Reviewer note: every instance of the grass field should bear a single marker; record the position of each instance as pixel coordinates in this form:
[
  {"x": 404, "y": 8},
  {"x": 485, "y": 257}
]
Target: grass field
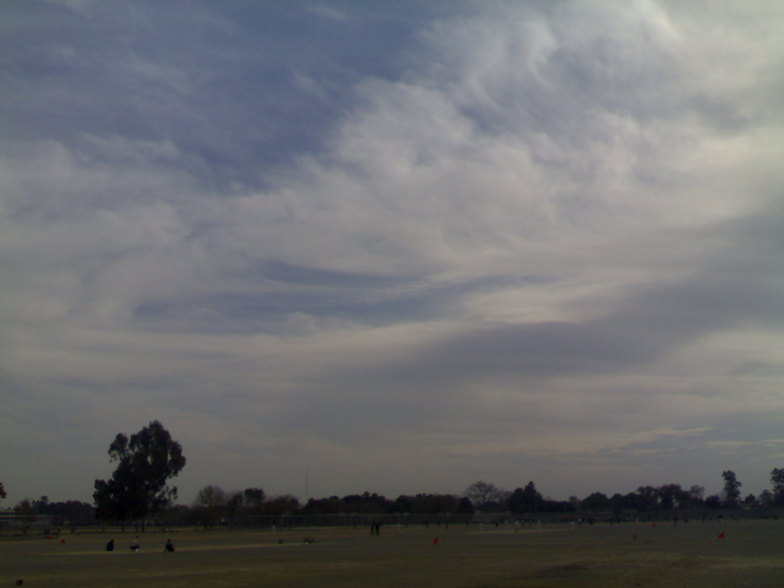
[{"x": 634, "y": 554}]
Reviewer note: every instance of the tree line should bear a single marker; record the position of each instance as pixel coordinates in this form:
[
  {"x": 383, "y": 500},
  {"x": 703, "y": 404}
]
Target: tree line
[{"x": 138, "y": 491}]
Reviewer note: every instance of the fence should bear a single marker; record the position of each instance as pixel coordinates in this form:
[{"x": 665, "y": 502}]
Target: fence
[{"x": 14, "y": 523}]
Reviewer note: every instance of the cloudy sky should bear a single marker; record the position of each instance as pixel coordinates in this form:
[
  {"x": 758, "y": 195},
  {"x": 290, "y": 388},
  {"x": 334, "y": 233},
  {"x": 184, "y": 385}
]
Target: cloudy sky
[{"x": 393, "y": 246}]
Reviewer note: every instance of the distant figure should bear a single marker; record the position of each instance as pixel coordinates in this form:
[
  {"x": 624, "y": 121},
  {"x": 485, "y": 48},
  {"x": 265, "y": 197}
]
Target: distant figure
[
  {"x": 110, "y": 545},
  {"x": 169, "y": 546},
  {"x": 375, "y": 528},
  {"x": 135, "y": 545}
]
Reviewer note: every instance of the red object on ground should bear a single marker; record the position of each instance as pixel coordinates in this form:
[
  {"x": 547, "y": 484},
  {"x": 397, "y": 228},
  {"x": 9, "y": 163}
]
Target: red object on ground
[
  {"x": 435, "y": 540},
  {"x": 721, "y": 535}
]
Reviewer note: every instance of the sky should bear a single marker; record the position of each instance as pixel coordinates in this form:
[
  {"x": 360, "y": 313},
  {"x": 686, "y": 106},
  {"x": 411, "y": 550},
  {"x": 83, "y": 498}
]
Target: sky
[{"x": 397, "y": 247}]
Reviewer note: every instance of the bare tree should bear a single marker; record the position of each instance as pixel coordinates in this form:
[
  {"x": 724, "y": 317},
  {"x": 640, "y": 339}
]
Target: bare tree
[
  {"x": 210, "y": 505},
  {"x": 482, "y": 493}
]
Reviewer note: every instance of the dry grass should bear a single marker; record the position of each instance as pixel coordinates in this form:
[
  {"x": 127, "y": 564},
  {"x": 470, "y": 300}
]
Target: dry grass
[{"x": 752, "y": 554}]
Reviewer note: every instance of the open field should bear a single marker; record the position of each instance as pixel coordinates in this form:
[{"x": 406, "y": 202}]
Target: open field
[{"x": 633, "y": 554}]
